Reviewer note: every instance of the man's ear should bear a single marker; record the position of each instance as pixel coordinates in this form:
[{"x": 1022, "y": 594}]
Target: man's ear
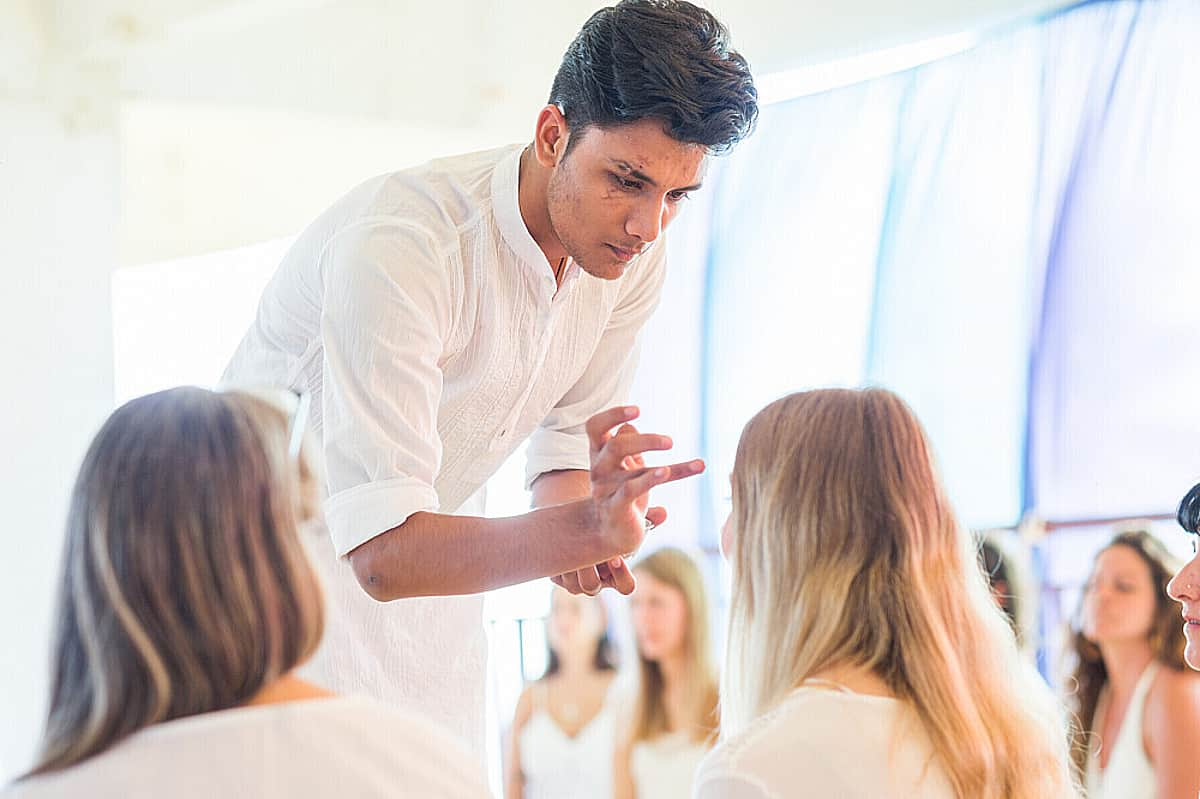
[{"x": 551, "y": 136}]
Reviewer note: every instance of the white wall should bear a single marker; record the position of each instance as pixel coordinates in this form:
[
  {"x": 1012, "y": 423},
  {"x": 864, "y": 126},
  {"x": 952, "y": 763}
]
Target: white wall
[
  {"x": 58, "y": 190},
  {"x": 315, "y": 96}
]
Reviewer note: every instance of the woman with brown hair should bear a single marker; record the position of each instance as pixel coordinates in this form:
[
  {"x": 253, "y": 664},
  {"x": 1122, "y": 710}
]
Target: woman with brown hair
[
  {"x": 1133, "y": 696},
  {"x": 675, "y": 716},
  {"x": 561, "y": 739},
  {"x": 186, "y": 603},
  {"x": 865, "y": 655}
]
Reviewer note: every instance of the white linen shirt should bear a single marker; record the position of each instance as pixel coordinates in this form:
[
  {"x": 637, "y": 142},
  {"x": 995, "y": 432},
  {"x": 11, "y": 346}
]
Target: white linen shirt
[{"x": 424, "y": 321}]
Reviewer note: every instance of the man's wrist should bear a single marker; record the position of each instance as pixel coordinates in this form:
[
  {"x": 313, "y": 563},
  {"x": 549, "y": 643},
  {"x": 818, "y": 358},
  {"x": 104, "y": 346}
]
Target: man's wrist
[{"x": 589, "y": 537}]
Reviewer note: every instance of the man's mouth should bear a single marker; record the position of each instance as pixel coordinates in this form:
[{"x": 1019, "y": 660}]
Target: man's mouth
[{"x": 624, "y": 255}]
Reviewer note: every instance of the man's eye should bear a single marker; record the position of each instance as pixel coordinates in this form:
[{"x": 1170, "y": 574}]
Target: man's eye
[
  {"x": 628, "y": 185},
  {"x": 678, "y": 196}
]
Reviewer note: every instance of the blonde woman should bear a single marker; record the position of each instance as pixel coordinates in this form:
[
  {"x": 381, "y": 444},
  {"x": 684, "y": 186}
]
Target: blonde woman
[
  {"x": 1132, "y": 691},
  {"x": 675, "y": 716},
  {"x": 186, "y": 603},
  {"x": 865, "y": 656}
]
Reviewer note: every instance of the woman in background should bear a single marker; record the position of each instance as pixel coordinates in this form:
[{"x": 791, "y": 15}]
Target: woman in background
[
  {"x": 561, "y": 740},
  {"x": 1132, "y": 694},
  {"x": 186, "y": 603},
  {"x": 675, "y": 715},
  {"x": 866, "y": 657}
]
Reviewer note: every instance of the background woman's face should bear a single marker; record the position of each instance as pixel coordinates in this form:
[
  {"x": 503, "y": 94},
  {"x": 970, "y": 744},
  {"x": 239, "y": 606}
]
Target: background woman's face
[
  {"x": 1120, "y": 599},
  {"x": 660, "y": 618},
  {"x": 576, "y": 623}
]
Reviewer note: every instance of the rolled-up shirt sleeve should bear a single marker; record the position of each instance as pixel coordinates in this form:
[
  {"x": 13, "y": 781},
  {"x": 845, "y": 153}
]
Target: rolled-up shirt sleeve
[
  {"x": 560, "y": 442},
  {"x": 386, "y": 313}
]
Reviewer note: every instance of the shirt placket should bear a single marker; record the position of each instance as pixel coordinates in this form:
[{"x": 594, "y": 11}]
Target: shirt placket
[{"x": 552, "y": 300}]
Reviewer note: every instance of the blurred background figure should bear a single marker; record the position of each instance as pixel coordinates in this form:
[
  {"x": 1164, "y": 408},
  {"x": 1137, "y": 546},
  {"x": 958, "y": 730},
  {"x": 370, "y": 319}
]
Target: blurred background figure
[
  {"x": 996, "y": 568},
  {"x": 562, "y": 735},
  {"x": 186, "y": 603},
  {"x": 675, "y": 719},
  {"x": 1005, "y": 565},
  {"x": 1137, "y": 704}
]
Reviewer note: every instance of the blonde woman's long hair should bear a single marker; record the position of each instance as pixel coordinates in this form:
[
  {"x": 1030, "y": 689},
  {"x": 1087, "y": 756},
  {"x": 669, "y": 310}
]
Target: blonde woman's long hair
[
  {"x": 677, "y": 569},
  {"x": 185, "y": 586},
  {"x": 845, "y": 552}
]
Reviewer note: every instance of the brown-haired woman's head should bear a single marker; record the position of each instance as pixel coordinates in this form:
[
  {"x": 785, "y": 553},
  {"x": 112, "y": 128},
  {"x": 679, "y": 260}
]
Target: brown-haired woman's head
[
  {"x": 185, "y": 586},
  {"x": 845, "y": 552},
  {"x": 670, "y": 612},
  {"x": 577, "y": 629},
  {"x": 1124, "y": 603}
]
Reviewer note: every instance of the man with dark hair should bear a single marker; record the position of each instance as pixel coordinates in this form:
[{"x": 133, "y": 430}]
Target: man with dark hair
[{"x": 442, "y": 315}]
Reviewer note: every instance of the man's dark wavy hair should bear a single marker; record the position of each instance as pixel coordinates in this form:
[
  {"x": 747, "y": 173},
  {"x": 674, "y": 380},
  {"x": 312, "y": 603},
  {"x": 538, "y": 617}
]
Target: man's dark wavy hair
[{"x": 658, "y": 59}]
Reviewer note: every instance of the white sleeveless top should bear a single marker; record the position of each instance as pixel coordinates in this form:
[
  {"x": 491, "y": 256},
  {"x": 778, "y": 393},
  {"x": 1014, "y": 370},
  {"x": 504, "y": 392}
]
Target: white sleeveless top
[
  {"x": 665, "y": 767},
  {"x": 559, "y": 766},
  {"x": 1129, "y": 772}
]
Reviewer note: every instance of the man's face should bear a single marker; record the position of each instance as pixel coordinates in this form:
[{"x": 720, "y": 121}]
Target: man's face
[{"x": 616, "y": 190}]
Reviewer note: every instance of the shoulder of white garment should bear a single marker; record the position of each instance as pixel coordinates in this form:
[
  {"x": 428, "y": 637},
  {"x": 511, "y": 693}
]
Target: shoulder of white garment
[
  {"x": 436, "y": 202},
  {"x": 398, "y": 746}
]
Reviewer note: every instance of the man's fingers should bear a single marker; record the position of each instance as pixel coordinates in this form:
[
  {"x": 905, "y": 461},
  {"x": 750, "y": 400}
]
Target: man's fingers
[
  {"x": 656, "y": 515},
  {"x": 686, "y": 469},
  {"x": 589, "y": 580},
  {"x": 641, "y": 483},
  {"x": 630, "y": 462},
  {"x": 646, "y": 479},
  {"x": 613, "y": 454},
  {"x": 570, "y": 581},
  {"x": 558, "y": 580},
  {"x": 598, "y": 426},
  {"x": 622, "y": 578}
]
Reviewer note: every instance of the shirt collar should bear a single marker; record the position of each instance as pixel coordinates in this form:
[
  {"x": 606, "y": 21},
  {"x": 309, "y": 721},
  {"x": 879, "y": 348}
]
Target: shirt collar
[{"x": 507, "y": 209}]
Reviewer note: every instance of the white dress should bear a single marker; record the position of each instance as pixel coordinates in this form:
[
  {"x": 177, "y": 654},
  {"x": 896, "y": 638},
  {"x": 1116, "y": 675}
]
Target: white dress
[
  {"x": 1129, "y": 772},
  {"x": 665, "y": 767},
  {"x": 825, "y": 743},
  {"x": 559, "y": 766},
  {"x": 340, "y": 746}
]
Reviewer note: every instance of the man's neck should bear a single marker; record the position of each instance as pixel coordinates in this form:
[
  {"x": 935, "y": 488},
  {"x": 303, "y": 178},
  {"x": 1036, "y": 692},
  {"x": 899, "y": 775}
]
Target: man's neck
[{"x": 532, "y": 185}]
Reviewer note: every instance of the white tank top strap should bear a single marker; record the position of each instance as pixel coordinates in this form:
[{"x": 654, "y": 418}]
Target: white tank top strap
[
  {"x": 1129, "y": 771},
  {"x": 1144, "y": 682}
]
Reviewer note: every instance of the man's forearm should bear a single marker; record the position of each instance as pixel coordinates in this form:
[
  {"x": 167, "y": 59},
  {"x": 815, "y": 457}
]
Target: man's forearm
[
  {"x": 557, "y": 487},
  {"x": 433, "y": 554}
]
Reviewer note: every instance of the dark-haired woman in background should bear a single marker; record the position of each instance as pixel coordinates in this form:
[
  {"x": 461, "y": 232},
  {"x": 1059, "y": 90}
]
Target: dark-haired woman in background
[
  {"x": 1138, "y": 705},
  {"x": 185, "y": 605},
  {"x": 561, "y": 741}
]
